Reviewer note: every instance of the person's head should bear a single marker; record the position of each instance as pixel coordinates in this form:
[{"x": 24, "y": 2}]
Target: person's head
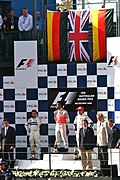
[
  {"x": 24, "y": 11},
  {"x": 6, "y": 122},
  {"x": 34, "y": 113},
  {"x": 80, "y": 110},
  {"x": 100, "y": 117},
  {"x": 2, "y": 165},
  {"x": 110, "y": 123},
  {"x": 58, "y": 105},
  {"x": 4, "y": 18},
  {"x": 37, "y": 14},
  {"x": 85, "y": 123},
  {"x": 11, "y": 12}
]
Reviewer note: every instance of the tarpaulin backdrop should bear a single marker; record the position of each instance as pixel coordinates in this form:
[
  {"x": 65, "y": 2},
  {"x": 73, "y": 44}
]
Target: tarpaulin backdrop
[{"x": 80, "y": 49}]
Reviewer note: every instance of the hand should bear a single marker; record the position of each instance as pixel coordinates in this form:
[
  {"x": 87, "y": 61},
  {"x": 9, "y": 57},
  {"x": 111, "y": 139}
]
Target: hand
[
  {"x": 0, "y": 147},
  {"x": 11, "y": 147}
]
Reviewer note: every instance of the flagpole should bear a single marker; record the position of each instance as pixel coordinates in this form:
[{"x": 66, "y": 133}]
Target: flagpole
[{"x": 83, "y": 4}]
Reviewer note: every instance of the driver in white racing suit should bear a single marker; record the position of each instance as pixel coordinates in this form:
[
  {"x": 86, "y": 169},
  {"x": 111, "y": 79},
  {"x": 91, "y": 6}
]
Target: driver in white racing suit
[
  {"x": 33, "y": 127},
  {"x": 62, "y": 120}
]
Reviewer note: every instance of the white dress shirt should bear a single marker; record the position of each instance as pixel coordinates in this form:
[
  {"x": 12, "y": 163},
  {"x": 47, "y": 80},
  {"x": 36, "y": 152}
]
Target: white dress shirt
[
  {"x": 1, "y": 22},
  {"x": 25, "y": 23}
]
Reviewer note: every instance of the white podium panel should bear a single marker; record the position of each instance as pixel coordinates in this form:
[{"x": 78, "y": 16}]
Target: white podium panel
[{"x": 114, "y": 158}]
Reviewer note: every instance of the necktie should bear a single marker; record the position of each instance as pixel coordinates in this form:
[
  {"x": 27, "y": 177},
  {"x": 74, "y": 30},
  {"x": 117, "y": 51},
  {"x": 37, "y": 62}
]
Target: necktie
[
  {"x": 5, "y": 131},
  {"x": 84, "y": 131}
]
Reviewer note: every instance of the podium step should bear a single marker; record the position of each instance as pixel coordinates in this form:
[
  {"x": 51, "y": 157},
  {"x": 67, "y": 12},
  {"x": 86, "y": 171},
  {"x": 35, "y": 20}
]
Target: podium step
[{"x": 58, "y": 157}]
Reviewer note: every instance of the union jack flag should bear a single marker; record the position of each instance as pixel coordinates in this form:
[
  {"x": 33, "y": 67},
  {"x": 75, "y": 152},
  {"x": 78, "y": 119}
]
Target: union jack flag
[{"x": 78, "y": 35}]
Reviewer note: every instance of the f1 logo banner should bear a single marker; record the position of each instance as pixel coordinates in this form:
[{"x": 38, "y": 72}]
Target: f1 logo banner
[
  {"x": 25, "y": 64},
  {"x": 71, "y": 98}
]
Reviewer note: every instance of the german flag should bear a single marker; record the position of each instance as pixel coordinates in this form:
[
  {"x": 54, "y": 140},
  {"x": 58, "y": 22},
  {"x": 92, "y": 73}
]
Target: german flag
[
  {"x": 57, "y": 36},
  {"x": 102, "y": 21}
]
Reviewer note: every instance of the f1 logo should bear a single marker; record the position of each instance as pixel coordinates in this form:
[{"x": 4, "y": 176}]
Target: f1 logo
[
  {"x": 65, "y": 98},
  {"x": 114, "y": 60},
  {"x": 24, "y": 64}
]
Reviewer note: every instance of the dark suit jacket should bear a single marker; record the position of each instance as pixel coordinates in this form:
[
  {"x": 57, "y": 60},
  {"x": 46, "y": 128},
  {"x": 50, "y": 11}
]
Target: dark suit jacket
[
  {"x": 113, "y": 137},
  {"x": 9, "y": 24},
  {"x": 9, "y": 138},
  {"x": 87, "y": 142}
]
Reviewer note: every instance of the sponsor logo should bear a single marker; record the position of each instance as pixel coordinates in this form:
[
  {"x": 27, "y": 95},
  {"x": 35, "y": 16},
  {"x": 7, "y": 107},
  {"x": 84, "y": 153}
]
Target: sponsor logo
[
  {"x": 43, "y": 117},
  {"x": 25, "y": 64},
  {"x": 52, "y": 82},
  {"x": 1, "y": 94},
  {"x": 32, "y": 105},
  {"x": 42, "y": 70},
  {"x": 44, "y": 141},
  {"x": 110, "y": 104},
  {"x": 91, "y": 81},
  {"x": 62, "y": 69},
  {"x": 42, "y": 94},
  {"x": 21, "y": 141},
  {"x": 9, "y": 82},
  {"x": 1, "y": 117},
  {"x": 102, "y": 93},
  {"x": 20, "y": 117},
  {"x": 9, "y": 106},
  {"x": 117, "y": 117},
  {"x": 20, "y": 94},
  {"x": 81, "y": 69},
  {"x": 102, "y": 69},
  {"x": 114, "y": 60},
  {"x": 64, "y": 97},
  {"x": 71, "y": 81}
]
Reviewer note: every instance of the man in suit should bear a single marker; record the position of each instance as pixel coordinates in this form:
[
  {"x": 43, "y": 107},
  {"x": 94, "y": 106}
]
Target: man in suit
[
  {"x": 113, "y": 134},
  {"x": 102, "y": 139},
  {"x": 86, "y": 137},
  {"x": 7, "y": 143}
]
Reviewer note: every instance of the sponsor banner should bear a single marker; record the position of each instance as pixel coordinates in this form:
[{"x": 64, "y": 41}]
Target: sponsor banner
[
  {"x": 42, "y": 94},
  {"x": 1, "y": 94},
  {"x": 61, "y": 69},
  {"x": 25, "y": 64},
  {"x": 43, "y": 117},
  {"x": 113, "y": 52},
  {"x": 20, "y": 117},
  {"x": 9, "y": 106},
  {"x": 111, "y": 105},
  {"x": 81, "y": 69},
  {"x": 42, "y": 70},
  {"x": 51, "y": 129},
  {"x": 117, "y": 117},
  {"x": 32, "y": 104},
  {"x": 101, "y": 68},
  {"x": 71, "y": 81},
  {"x": 71, "y": 98},
  {"x": 91, "y": 81},
  {"x": 20, "y": 94},
  {"x": 52, "y": 82},
  {"x": 8, "y": 82},
  {"x": 44, "y": 141},
  {"x": 102, "y": 92},
  {"x": 21, "y": 141}
]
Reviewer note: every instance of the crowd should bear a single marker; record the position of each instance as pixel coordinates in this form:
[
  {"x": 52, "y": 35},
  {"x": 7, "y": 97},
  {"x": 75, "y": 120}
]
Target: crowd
[{"x": 14, "y": 28}]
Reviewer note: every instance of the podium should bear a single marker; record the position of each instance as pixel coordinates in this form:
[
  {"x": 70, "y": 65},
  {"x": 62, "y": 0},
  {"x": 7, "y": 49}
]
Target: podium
[{"x": 114, "y": 158}]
